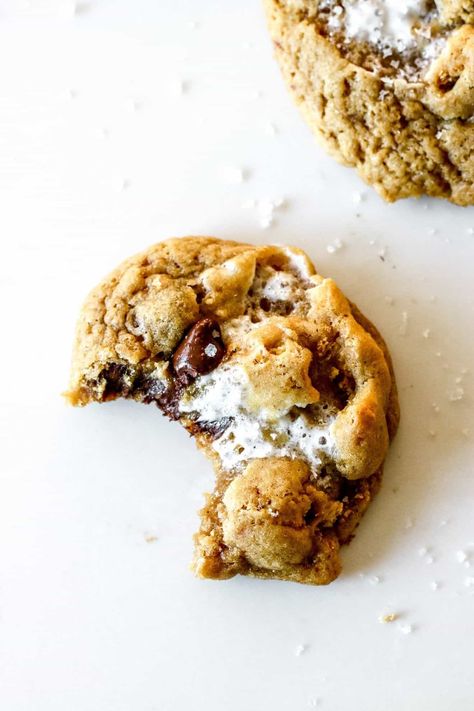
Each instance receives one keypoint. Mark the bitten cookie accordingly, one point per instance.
(283, 383)
(387, 86)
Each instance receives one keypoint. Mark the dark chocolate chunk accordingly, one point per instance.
(199, 352)
(214, 429)
(168, 402)
(148, 389)
(117, 381)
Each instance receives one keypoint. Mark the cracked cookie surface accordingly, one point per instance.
(282, 381)
(387, 87)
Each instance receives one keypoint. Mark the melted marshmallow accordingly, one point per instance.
(384, 23)
(388, 22)
(221, 395)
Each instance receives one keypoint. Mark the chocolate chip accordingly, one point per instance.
(168, 402)
(200, 351)
(117, 381)
(213, 429)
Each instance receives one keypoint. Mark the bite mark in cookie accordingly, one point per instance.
(283, 383)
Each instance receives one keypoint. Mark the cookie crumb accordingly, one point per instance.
(389, 617)
(150, 538)
(426, 333)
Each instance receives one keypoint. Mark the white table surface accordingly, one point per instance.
(121, 124)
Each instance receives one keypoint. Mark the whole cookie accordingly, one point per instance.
(282, 381)
(387, 87)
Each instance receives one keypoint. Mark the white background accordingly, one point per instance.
(121, 124)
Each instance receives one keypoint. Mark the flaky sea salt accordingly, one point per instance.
(334, 246)
(300, 649)
(210, 350)
(233, 174)
(267, 210)
(357, 197)
(270, 129)
(375, 580)
(404, 324)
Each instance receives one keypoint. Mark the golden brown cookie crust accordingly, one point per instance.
(292, 395)
(406, 138)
